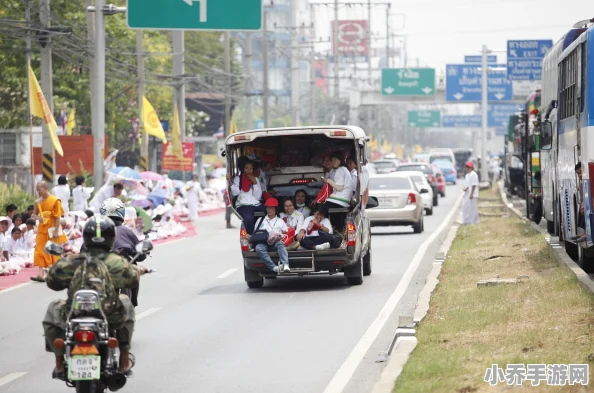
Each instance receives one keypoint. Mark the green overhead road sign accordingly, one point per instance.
(195, 14)
(408, 82)
(424, 119)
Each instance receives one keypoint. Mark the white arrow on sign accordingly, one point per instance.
(411, 124)
(499, 96)
(389, 90)
(427, 90)
(435, 124)
(458, 96)
(202, 7)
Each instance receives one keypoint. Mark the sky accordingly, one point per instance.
(442, 32)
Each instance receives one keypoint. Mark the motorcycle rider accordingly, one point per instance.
(125, 241)
(98, 235)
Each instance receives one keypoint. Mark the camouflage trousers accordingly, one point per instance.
(121, 320)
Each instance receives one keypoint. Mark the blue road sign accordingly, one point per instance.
(491, 59)
(463, 84)
(498, 114)
(524, 59)
(500, 131)
(461, 121)
(259, 124)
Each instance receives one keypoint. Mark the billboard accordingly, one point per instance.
(170, 162)
(78, 155)
(351, 39)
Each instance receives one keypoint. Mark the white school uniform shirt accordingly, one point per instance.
(342, 177)
(81, 196)
(294, 220)
(63, 192)
(325, 222)
(250, 198)
(354, 180)
(10, 245)
(471, 179)
(263, 181)
(304, 210)
(275, 224)
(2, 241)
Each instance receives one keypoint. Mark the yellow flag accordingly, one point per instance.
(233, 126)
(152, 124)
(39, 108)
(176, 142)
(71, 122)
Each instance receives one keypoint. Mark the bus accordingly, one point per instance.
(568, 139)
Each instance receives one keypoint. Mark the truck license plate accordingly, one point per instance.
(84, 368)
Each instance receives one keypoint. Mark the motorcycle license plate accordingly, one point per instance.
(84, 368)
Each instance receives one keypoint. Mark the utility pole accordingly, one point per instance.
(179, 94)
(265, 91)
(314, 114)
(249, 81)
(228, 87)
(91, 43)
(388, 35)
(336, 61)
(144, 144)
(48, 156)
(29, 120)
(370, 52)
(99, 119)
(484, 108)
(294, 65)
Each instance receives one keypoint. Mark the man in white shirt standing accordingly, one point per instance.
(276, 227)
(471, 193)
(193, 195)
(62, 191)
(80, 195)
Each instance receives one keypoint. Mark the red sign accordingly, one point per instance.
(351, 39)
(173, 163)
(321, 66)
(78, 155)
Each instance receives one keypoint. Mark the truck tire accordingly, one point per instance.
(551, 227)
(435, 199)
(253, 279)
(354, 274)
(572, 250)
(367, 262)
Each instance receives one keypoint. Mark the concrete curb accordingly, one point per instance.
(404, 340)
(559, 253)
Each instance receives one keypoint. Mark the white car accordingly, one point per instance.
(421, 182)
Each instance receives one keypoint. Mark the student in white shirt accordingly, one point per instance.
(11, 243)
(340, 180)
(3, 234)
(293, 218)
(275, 227)
(11, 211)
(301, 203)
(352, 167)
(28, 236)
(62, 191)
(315, 231)
(246, 187)
(80, 195)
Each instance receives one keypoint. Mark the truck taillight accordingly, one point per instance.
(243, 240)
(351, 235)
(83, 336)
(412, 199)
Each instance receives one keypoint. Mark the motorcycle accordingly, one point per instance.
(91, 349)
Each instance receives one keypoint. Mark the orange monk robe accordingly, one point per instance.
(50, 210)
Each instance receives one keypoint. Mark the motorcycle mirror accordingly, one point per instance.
(147, 245)
(53, 249)
(139, 248)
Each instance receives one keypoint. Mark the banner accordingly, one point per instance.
(351, 40)
(321, 68)
(170, 162)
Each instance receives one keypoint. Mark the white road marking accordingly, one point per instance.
(10, 377)
(348, 368)
(15, 287)
(228, 273)
(146, 313)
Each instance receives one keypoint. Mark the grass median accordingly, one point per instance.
(546, 318)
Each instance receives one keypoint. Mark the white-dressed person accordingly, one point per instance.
(106, 192)
(351, 165)
(246, 187)
(62, 191)
(275, 226)
(193, 196)
(80, 195)
(342, 190)
(301, 203)
(471, 193)
(316, 230)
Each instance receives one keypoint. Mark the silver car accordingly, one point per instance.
(420, 181)
(400, 202)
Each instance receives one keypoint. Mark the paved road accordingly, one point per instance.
(201, 329)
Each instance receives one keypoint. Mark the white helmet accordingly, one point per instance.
(113, 208)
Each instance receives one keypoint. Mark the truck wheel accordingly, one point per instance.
(354, 274)
(367, 262)
(572, 250)
(253, 279)
(551, 227)
(435, 199)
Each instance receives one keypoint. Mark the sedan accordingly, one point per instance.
(422, 184)
(385, 166)
(400, 202)
(448, 169)
(430, 172)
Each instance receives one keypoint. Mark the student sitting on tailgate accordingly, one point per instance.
(301, 203)
(246, 187)
(315, 231)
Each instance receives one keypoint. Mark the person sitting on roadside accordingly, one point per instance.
(276, 227)
(301, 203)
(316, 230)
(246, 187)
(27, 240)
(11, 244)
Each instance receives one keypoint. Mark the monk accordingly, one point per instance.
(48, 211)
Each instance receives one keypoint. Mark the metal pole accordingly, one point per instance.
(179, 93)
(388, 35)
(91, 43)
(28, 53)
(144, 143)
(99, 119)
(336, 59)
(47, 82)
(484, 108)
(249, 82)
(228, 77)
(265, 91)
(314, 114)
(294, 65)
